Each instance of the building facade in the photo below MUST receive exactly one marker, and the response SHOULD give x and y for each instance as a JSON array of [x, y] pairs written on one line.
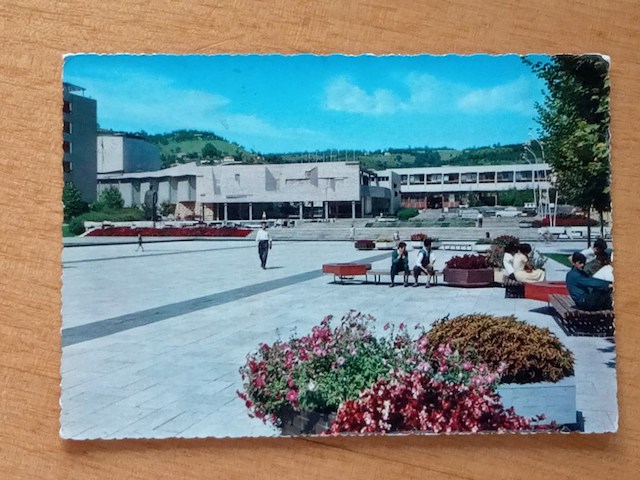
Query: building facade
[[79, 115], [244, 192], [123, 153], [452, 186]]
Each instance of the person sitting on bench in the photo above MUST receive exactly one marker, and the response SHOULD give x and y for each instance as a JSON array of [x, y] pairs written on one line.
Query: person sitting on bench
[[422, 263], [523, 270], [590, 294], [400, 263], [510, 250]]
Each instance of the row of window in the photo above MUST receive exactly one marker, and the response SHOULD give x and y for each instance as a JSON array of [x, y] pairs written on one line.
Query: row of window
[[473, 177]]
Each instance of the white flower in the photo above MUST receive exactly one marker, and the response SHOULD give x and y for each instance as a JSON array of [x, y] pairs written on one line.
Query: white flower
[[312, 386]]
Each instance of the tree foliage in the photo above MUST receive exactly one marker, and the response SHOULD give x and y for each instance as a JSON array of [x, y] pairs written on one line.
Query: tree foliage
[[72, 201], [109, 199], [574, 119]]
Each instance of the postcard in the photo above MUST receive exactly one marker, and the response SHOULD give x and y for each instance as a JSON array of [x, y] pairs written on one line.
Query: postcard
[[281, 245]]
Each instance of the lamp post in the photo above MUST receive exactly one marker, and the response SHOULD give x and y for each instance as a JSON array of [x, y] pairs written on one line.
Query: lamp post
[[528, 149]]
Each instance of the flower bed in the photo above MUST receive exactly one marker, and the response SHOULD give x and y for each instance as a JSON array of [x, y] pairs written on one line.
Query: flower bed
[[170, 232], [468, 271], [392, 383]]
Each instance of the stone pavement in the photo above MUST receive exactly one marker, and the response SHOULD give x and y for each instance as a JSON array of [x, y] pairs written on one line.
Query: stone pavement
[[152, 341]]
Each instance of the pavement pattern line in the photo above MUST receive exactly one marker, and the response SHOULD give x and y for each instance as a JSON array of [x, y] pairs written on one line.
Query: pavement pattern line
[[123, 257], [110, 326]]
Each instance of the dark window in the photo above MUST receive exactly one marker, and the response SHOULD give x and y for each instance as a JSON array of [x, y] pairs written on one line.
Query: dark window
[[505, 177], [66, 126], [434, 178], [66, 106], [469, 177], [417, 179], [452, 178], [524, 176], [487, 177], [404, 179], [66, 146], [66, 166]]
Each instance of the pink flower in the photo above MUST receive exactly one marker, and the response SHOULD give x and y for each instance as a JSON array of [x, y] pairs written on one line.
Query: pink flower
[[292, 396]]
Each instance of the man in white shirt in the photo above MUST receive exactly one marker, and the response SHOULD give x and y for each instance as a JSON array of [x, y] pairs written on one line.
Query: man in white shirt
[[423, 264], [263, 239]]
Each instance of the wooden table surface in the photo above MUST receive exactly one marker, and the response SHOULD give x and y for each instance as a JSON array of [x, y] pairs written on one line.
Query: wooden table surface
[[33, 36]]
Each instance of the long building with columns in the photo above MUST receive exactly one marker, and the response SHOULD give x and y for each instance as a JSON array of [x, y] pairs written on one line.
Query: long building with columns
[[451, 186], [243, 192]]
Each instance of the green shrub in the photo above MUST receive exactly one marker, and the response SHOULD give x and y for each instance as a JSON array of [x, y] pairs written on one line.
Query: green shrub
[[76, 226], [532, 354], [405, 214]]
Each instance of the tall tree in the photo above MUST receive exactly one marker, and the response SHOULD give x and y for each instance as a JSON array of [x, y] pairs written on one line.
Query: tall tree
[[574, 119], [72, 201]]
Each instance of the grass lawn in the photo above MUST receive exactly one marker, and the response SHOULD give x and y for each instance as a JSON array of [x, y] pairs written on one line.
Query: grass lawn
[[560, 258]]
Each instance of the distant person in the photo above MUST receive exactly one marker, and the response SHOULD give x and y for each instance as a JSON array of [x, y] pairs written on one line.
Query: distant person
[[263, 239], [396, 237], [522, 268], [423, 264], [352, 232], [507, 260], [479, 219], [588, 293], [139, 247], [400, 263]]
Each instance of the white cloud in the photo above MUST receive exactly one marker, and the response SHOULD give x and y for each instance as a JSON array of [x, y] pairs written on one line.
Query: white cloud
[[509, 97], [343, 96], [427, 94]]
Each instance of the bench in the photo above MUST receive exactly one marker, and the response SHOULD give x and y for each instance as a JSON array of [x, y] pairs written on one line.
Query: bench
[[513, 288], [580, 322], [433, 279]]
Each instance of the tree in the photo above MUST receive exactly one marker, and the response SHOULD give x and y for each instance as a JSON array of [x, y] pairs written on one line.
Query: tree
[[574, 118], [109, 199], [72, 201], [210, 151]]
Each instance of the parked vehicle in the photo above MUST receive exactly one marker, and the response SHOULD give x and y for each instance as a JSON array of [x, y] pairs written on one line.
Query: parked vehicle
[[509, 212]]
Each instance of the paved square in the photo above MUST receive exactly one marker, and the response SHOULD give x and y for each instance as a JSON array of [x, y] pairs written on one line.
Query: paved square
[[152, 341]]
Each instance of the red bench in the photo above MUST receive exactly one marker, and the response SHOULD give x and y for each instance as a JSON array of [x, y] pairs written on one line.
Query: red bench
[[346, 271], [542, 290]]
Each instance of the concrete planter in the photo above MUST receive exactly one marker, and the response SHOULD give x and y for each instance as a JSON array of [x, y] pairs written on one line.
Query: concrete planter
[[417, 244], [481, 247], [468, 278], [385, 245], [557, 401]]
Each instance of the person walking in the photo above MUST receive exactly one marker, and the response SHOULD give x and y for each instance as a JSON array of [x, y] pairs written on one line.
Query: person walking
[[479, 219], [352, 232], [263, 239], [139, 247]]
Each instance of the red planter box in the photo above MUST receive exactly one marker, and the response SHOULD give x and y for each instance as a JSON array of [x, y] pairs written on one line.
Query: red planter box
[[468, 278], [346, 269], [542, 290]]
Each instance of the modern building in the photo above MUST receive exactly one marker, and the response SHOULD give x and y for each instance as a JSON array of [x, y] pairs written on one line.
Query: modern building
[[452, 186], [236, 191], [79, 115], [126, 153]]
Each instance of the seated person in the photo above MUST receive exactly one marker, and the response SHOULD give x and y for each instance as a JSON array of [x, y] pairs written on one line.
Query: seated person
[[596, 256], [588, 293], [507, 260], [606, 272], [422, 263], [400, 263], [523, 271]]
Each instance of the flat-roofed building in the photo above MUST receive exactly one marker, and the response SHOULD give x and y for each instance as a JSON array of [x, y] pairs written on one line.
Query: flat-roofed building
[[125, 153], [244, 192], [79, 130], [451, 186]]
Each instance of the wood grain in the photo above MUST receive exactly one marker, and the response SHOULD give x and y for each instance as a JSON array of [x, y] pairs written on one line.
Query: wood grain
[[34, 35]]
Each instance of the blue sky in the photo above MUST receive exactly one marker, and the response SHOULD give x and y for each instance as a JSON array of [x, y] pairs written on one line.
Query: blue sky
[[278, 104]]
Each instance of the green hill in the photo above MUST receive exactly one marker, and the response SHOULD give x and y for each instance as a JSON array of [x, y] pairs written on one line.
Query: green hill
[[183, 146]]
